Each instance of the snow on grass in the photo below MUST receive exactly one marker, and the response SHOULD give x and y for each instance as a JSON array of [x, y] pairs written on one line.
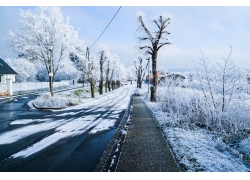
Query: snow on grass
[[103, 125], [197, 149]]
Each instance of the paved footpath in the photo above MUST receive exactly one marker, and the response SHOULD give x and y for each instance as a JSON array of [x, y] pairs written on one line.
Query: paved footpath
[[145, 149]]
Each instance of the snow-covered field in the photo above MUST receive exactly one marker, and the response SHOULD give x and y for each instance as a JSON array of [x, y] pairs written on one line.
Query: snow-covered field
[[91, 116], [195, 148]]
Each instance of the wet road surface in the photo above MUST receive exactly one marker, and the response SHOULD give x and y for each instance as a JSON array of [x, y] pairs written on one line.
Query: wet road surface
[[68, 140]]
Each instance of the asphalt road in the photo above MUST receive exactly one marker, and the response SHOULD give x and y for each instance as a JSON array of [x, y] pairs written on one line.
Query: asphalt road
[[69, 140]]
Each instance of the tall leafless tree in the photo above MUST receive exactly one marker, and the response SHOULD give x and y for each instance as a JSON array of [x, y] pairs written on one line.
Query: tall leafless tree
[[140, 71], [154, 41]]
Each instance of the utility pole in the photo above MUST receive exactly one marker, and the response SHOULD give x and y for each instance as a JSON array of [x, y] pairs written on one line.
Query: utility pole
[[50, 47], [148, 72]]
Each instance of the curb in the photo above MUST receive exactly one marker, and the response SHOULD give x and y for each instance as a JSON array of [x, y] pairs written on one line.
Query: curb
[[47, 108], [110, 156]]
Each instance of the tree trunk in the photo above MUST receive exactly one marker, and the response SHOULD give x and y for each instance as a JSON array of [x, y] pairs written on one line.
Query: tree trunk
[[51, 79], [109, 85], [152, 94], [154, 65], [106, 87], [92, 88], [112, 85], [101, 87], [118, 84], [140, 84], [101, 78]]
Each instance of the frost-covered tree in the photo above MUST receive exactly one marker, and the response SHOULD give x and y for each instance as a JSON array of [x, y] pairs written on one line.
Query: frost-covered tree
[[109, 69], [103, 50], [133, 70], [92, 71], [153, 40], [26, 70], [130, 75], [140, 71], [79, 60], [68, 72], [120, 74], [45, 36]]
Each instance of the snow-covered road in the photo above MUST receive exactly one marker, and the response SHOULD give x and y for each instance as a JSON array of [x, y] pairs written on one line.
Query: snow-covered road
[[56, 139]]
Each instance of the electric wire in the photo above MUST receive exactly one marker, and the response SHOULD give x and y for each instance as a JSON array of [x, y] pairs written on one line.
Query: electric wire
[[105, 28]]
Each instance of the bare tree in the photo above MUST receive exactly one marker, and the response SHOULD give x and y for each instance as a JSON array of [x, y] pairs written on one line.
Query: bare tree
[[154, 42], [219, 84], [140, 71]]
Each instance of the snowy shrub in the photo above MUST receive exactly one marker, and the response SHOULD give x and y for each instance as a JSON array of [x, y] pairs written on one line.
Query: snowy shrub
[[56, 101], [244, 147], [214, 101]]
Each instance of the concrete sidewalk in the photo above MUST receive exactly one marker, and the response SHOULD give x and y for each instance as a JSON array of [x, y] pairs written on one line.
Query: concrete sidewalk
[[145, 149]]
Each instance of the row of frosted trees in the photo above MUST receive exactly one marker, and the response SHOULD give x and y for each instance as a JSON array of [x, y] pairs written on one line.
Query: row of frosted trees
[[46, 38]]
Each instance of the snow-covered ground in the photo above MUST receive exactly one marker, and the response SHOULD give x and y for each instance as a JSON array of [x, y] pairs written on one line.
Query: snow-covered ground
[[90, 115], [197, 149]]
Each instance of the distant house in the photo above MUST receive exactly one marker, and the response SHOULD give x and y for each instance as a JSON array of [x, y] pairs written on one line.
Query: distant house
[[177, 79], [150, 77], [6, 72]]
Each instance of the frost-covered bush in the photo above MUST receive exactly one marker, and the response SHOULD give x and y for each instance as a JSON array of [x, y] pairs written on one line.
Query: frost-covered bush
[[214, 101], [244, 146], [56, 101]]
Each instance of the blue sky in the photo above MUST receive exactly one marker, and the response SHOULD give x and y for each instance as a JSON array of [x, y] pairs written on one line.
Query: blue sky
[[210, 29]]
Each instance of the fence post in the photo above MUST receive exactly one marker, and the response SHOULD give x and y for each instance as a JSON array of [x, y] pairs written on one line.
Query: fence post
[[9, 87]]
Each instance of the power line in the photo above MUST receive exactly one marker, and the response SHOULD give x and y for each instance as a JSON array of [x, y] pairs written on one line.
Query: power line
[[106, 27]]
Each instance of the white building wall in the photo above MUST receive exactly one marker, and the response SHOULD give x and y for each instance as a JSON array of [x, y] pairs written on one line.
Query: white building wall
[[3, 78], [11, 76]]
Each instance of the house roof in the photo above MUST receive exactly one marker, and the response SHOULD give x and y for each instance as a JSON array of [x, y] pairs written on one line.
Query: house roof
[[174, 74], [5, 68], [151, 75]]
